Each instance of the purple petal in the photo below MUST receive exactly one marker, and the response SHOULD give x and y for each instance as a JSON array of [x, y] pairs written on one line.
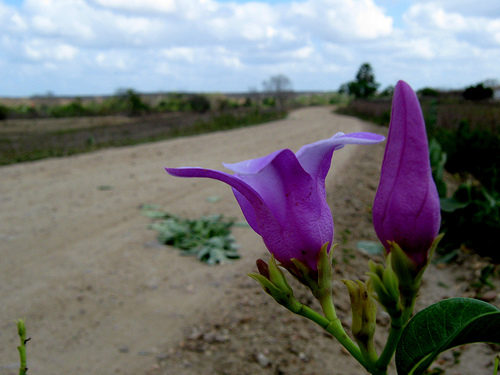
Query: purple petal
[[252, 197], [293, 197], [406, 207], [253, 165], [316, 157]]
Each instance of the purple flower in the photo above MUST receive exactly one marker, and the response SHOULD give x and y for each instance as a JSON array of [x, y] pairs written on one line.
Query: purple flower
[[283, 196], [406, 208]]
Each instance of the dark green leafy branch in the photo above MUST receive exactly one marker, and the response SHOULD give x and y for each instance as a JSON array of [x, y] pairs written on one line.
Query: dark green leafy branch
[[208, 238]]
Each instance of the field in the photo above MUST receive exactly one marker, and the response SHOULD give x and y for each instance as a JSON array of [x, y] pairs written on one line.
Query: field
[[38, 138], [100, 295]]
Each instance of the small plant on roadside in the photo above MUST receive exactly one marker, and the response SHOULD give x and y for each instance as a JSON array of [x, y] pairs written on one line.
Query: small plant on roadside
[[208, 238], [21, 331]]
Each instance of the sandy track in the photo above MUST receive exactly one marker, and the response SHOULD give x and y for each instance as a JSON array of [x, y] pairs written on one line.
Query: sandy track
[[99, 295]]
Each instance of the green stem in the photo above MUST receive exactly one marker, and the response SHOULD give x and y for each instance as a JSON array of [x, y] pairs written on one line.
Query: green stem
[[391, 344], [395, 332], [326, 301], [21, 330], [334, 327], [369, 353]]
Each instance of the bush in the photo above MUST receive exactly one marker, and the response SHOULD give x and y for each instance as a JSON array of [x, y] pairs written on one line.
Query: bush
[[199, 103], [74, 109], [4, 112], [471, 218], [478, 92], [474, 151], [429, 92]]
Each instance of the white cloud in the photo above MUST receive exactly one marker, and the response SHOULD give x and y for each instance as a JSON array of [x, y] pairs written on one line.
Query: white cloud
[[432, 19], [97, 45], [341, 20], [468, 8], [42, 51], [141, 6]]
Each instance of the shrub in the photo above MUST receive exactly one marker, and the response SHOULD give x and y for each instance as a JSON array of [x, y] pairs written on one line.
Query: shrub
[[478, 92], [4, 112], [199, 103], [471, 218]]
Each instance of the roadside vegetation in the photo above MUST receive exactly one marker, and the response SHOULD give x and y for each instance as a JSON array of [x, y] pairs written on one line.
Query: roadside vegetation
[[52, 127]]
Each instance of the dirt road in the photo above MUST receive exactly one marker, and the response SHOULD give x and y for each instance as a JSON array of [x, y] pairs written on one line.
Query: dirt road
[[98, 294], [101, 296]]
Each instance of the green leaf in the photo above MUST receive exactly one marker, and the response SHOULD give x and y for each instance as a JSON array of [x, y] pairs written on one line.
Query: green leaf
[[371, 247], [442, 326], [213, 199], [208, 238], [451, 204]]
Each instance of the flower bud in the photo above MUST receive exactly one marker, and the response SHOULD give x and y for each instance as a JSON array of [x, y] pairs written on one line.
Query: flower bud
[[406, 209]]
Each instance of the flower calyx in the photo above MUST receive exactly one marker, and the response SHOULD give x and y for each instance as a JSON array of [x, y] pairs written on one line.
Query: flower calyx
[[364, 313], [409, 274], [385, 286], [272, 279]]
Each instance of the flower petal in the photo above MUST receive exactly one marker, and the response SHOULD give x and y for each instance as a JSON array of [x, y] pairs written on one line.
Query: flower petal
[[406, 207], [252, 165], [254, 205], [316, 157], [293, 197]]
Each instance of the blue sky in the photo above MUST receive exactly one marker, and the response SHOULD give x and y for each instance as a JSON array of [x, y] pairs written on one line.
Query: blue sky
[[86, 47]]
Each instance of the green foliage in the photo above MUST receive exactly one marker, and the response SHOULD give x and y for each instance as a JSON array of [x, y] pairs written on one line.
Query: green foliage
[[174, 102], [387, 92], [320, 99], [208, 238], [438, 161], [130, 102], [4, 112], [442, 326], [478, 92], [74, 109], [471, 217], [224, 104], [269, 102], [365, 85], [199, 103], [428, 91], [476, 151]]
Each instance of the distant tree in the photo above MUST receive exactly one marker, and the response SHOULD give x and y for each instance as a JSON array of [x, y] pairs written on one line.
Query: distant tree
[[387, 92], [365, 85], [344, 88], [478, 92], [132, 102], [280, 88], [429, 92]]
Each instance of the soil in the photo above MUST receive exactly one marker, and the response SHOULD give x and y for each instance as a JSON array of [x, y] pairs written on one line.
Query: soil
[[101, 296]]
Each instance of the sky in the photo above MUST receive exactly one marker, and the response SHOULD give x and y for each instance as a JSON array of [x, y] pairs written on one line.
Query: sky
[[95, 47]]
